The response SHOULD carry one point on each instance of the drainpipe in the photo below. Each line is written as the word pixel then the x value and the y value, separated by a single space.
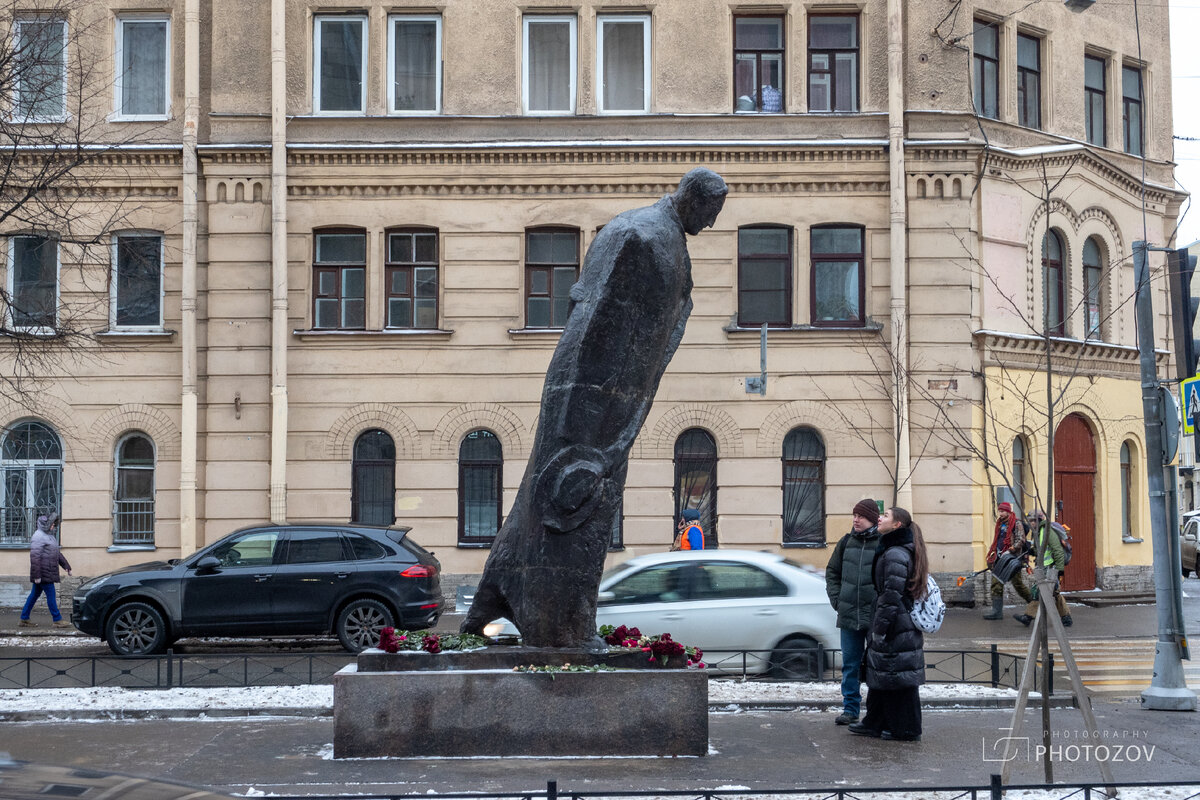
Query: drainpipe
pixel 279 307
pixel 189 534
pixel 899 248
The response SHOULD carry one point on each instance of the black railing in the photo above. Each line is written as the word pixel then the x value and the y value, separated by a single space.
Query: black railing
pixel 994 790
pixel 178 670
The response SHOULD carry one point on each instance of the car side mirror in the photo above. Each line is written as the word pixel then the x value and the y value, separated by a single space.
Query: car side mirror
pixel 606 597
pixel 208 564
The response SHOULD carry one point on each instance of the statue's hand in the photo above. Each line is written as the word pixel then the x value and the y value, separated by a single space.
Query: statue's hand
pixel 568 489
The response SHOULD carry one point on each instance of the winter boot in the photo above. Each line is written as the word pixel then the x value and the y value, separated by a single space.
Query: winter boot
pixel 997 611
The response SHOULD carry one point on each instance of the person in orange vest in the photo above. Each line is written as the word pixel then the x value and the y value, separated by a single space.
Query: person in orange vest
pixel 691 535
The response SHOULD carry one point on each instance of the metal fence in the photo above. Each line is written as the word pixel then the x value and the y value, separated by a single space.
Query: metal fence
pixel 994 790
pixel 178 670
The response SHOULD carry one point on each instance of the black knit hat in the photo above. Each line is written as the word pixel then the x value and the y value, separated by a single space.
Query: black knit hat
pixel 867 510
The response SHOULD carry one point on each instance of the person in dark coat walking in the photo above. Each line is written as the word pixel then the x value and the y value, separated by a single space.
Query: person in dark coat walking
pixel 852 593
pixel 895 659
pixel 44 561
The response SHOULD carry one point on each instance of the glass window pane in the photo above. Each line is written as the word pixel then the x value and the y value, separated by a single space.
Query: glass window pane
pixel 845 69
pixel 326 314
pixel 1091 253
pixel 565 248
pixel 40 68
pixel 763 274
pixel 760 307
pixel 745 82
pixel 136 451
pixel 353 283
pixel 135 484
pixel 537 313
pixel 549 68
pixel 1093 73
pixel 830 32
pixel 425 282
pixel 1027 53
pixel 836 291
pixel 990 89
pixel 353 314
pixel 31 441
pixel 837 240
pixel 539 246
pixel 481 445
pixel 138 280
pixel 623 72
pixel 426 314
pixel 539 281
pixel 144 67
pixel 416 65
pixel 558 314
pixel 1051 247
pixel 425 245
pixel 758 33
pixel 399 312
pixel 399 281
pixel 763 241
pixel 340 64
pixel 1131 84
pixel 341 248
pixel 400 248
pixel 986 37
pixel 34 281
pixel 563 278
pixel 818 92
pixel 374 445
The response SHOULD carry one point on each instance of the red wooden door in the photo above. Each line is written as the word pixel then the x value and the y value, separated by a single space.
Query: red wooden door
pixel 1075 498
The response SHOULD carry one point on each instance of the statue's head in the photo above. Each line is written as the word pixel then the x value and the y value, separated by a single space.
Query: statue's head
pixel 699 199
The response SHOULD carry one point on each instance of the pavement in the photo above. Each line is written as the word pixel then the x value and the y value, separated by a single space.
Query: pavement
pixel 290 752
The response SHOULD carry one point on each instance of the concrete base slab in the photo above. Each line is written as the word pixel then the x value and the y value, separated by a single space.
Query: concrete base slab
pixel 457 713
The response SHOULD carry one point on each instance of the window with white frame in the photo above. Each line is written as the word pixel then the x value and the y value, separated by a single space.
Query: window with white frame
pixel 548 64
pixel 133 491
pixel 32 282
pixel 623 63
pixel 414 64
pixel 143 67
pixel 39 72
pixel 136 286
pixel 339 64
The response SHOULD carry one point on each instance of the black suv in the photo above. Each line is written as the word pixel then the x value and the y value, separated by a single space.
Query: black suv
pixel 269 580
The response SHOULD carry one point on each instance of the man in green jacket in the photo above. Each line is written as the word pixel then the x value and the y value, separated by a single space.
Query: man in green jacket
pixel 1053 563
pixel 852 594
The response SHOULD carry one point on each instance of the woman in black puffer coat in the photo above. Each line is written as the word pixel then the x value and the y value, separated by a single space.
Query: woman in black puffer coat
pixel 894 665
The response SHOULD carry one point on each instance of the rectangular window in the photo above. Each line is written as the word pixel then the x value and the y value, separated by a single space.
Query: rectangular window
pixel 837 276
pixel 339 64
pixel 551 268
pixel 136 295
pixel 1131 109
pixel 765 276
pixel 143 67
pixel 415 64
pixel 1091 291
pixel 548 65
pixel 39 74
pixel 411 276
pixel 832 63
pixel 623 64
pixel 33 282
pixel 758 64
pixel 987 69
pixel 1094 99
pixel 1029 81
pixel 339 280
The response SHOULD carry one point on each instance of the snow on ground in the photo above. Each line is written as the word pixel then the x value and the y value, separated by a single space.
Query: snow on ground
pixel 259 697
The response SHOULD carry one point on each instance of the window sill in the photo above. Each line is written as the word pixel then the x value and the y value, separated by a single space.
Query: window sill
pixel 139 118
pixel 130 548
pixel 535 333
pixel 310 334
pixel 474 545
pixel 14 546
pixel 149 335
pixel 1131 540
pixel 805 545
pixel 737 332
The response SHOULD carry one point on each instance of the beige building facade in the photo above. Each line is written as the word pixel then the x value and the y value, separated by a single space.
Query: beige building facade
pixel 347 233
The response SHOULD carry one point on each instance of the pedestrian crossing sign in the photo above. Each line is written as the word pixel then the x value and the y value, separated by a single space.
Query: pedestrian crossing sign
pixel 1189 392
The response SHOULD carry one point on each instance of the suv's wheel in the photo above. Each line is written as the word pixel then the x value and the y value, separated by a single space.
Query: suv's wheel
pixel 360 622
pixel 136 629
pixel 796 658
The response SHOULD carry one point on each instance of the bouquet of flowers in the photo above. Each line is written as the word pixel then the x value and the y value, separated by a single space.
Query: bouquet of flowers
pixel 661 648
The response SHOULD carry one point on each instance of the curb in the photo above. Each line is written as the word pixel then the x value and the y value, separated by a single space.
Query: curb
pixel 731 707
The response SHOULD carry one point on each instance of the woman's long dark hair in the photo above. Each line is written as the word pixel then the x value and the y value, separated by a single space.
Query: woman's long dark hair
pixel 920 572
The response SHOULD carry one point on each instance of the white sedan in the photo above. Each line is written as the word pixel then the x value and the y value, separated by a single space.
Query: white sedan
pixel 724 602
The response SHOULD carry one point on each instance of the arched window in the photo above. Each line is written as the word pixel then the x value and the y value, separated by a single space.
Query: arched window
pixel 133 491
pixel 803 488
pixel 1052 263
pixel 373 479
pixel 31 457
pixel 696 479
pixel 1092 275
pixel 1128 499
pixel 480 472
pixel 1019 467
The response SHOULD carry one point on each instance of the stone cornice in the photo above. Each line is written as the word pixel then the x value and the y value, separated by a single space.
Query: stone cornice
pixel 1070 355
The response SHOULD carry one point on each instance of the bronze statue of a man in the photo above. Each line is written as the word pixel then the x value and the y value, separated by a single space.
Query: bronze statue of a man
pixel 626 319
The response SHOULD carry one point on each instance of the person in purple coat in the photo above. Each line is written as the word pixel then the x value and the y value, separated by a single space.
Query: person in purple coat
pixel 44 561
